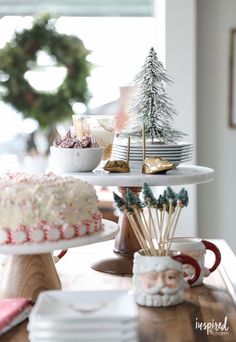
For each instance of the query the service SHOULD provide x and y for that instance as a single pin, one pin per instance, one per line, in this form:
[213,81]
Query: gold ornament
[117,166]
[155,165]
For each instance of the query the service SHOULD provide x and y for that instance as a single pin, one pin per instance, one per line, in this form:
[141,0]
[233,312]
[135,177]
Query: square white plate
[92,335]
[107,326]
[78,340]
[140,157]
[84,306]
[154,147]
[138,144]
[153,153]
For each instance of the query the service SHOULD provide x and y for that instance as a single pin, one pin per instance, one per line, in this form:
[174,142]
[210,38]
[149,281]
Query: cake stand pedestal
[30,269]
[125,242]
[28,275]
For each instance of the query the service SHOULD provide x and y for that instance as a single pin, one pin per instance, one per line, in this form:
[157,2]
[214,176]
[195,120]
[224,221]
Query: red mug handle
[60,255]
[212,247]
[186,259]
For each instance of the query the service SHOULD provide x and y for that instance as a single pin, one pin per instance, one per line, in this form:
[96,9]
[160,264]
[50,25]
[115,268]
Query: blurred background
[191,37]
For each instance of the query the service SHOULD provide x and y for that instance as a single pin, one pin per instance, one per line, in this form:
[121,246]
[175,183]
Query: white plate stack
[61,316]
[175,153]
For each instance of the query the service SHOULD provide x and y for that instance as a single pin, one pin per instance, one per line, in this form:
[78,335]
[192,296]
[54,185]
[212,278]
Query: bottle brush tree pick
[154,220]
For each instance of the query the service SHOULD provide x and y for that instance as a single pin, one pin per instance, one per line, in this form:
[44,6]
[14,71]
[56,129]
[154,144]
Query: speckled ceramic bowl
[75,159]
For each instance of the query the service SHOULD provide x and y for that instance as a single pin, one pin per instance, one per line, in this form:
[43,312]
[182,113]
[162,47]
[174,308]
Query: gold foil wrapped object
[153,165]
[118,166]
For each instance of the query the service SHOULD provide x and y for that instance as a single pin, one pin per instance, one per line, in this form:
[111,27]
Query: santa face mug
[159,280]
[196,248]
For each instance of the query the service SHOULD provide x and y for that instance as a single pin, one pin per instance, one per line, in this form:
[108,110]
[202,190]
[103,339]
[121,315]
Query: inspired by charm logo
[213,327]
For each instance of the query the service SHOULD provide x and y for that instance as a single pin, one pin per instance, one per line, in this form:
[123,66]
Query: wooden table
[215,299]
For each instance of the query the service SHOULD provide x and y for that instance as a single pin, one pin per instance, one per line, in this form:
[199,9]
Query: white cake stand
[126,243]
[30,268]
[183,174]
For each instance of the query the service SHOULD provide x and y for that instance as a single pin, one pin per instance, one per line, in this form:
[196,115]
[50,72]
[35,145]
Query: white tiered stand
[30,268]
[125,242]
[183,174]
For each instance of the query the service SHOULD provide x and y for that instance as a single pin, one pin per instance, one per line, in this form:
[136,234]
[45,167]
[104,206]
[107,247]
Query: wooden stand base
[118,264]
[126,244]
[28,275]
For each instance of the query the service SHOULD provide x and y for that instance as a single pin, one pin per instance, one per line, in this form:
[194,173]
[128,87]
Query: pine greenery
[148,196]
[151,106]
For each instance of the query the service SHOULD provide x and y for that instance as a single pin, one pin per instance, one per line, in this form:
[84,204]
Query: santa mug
[159,280]
[196,248]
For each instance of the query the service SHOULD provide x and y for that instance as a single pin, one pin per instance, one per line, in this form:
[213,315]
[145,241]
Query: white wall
[216,141]
[177,41]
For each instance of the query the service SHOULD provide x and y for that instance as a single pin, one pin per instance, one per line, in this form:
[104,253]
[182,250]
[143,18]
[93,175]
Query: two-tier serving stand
[30,268]
[125,242]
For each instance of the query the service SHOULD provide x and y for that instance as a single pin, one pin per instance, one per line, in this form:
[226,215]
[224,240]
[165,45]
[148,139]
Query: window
[118,48]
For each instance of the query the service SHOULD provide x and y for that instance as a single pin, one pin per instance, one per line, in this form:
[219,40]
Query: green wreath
[20,54]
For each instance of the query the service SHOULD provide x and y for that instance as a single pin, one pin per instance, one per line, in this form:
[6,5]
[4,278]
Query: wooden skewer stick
[128,151]
[142,217]
[157,219]
[174,217]
[155,226]
[149,219]
[152,224]
[167,228]
[159,241]
[162,225]
[140,239]
[152,230]
[172,214]
[149,229]
[145,221]
[136,231]
[176,221]
[144,143]
[145,232]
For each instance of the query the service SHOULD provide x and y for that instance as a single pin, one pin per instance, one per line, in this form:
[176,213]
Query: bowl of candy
[69,154]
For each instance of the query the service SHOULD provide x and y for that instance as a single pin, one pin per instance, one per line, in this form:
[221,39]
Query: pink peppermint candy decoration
[67,143]
[4,236]
[69,135]
[52,233]
[97,216]
[19,235]
[68,231]
[86,142]
[89,224]
[70,141]
[57,142]
[78,144]
[92,227]
[81,230]
[36,234]
[94,145]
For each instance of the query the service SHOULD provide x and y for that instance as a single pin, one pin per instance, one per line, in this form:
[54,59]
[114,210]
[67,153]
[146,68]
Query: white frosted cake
[35,209]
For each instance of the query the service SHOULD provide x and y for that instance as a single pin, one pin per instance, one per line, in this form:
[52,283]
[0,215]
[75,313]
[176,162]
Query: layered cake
[35,209]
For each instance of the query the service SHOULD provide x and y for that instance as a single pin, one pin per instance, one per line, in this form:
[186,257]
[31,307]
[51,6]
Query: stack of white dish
[175,153]
[61,316]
